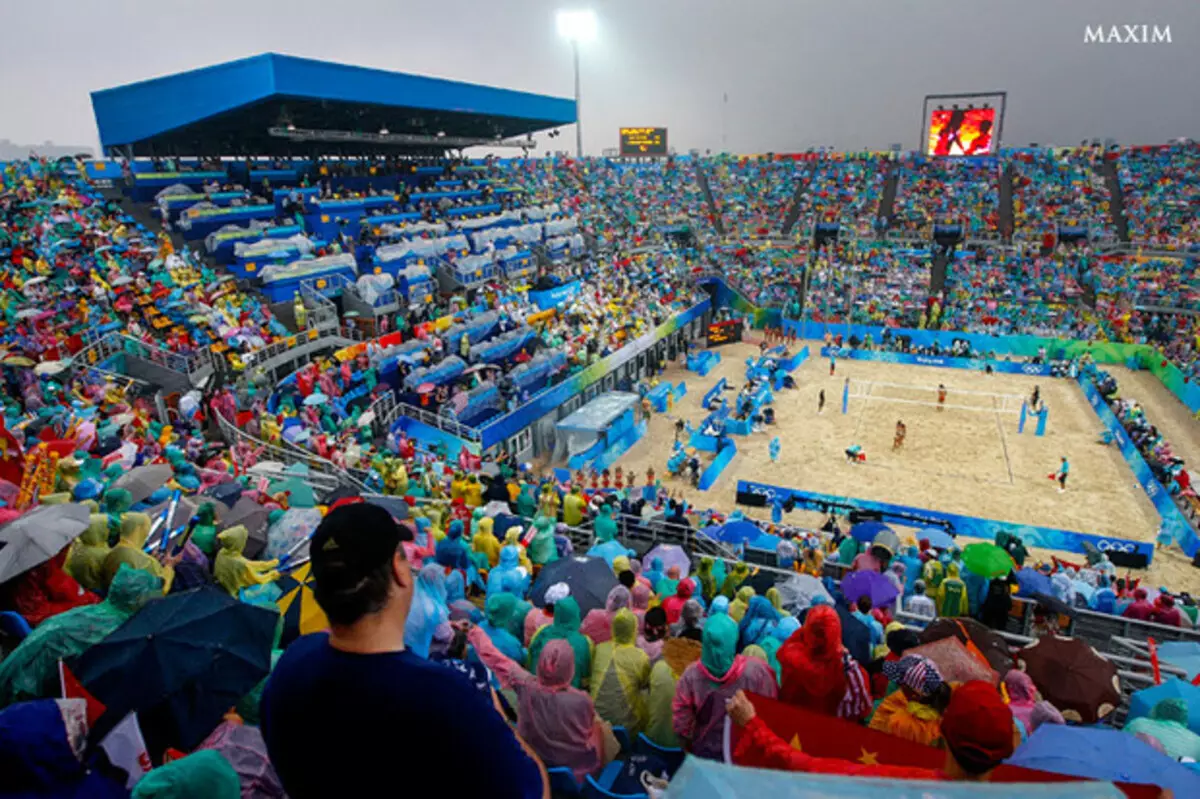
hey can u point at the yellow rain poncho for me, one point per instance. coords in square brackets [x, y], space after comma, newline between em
[485, 541]
[574, 506]
[85, 561]
[677, 655]
[621, 676]
[513, 538]
[737, 608]
[135, 528]
[233, 570]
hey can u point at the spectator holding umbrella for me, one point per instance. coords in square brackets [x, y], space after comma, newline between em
[325, 699]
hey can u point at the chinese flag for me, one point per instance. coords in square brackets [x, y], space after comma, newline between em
[825, 736]
[72, 688]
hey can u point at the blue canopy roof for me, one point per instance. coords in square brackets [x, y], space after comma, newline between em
[227, 108]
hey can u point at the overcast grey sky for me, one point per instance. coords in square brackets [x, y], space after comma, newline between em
[798, 73]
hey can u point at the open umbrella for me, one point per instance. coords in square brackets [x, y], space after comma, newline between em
[737, 532]
[142, 481]
[1183, 654]
[797, 593]
[243, 746]
[301, 613]
[1031, 581]
[227, 494]
[37, 536]
[865, 532]
[1072, 676]
[590, 579]
[17, 361]
[610, 551]
[315, 398]
[1143, 701]
[986, 560]
[426, 388]
[1053, 604]
[366, 418]
[970, 632]
[180, 662]
[937, 537]
[254, 518]
[1103, 754]
[50, 367]
[955, 661]
[869, 583]
[671, 555]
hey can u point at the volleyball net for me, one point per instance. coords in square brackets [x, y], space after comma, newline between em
[957, 399]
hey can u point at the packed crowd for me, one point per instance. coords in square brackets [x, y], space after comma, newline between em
[753, 194]
[1055, 190]
[948, 191]
[846, 191]
[870, 284]
[1160, 194]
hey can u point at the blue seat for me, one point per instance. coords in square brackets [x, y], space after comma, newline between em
[562, 781]
[594, 788]
[622, 736]
[672, 756]
[14, 624]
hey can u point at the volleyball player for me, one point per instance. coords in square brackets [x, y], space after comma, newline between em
[941, 396]
[901, 432]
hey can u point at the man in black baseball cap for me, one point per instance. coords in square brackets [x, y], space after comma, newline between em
[344, 712]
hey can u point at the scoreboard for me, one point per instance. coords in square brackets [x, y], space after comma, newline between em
[643, 141]
[724, 332]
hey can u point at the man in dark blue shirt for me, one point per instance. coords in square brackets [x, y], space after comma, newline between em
[352, 713]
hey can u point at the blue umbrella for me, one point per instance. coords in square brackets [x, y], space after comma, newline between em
[869, 583]
[609, 550]
[937, 538]
[866, 531]
[738, 532]
[1103, 754]
[590, 580]
[1184, 654]
[1143, 701]
[1031, 581]
[180, 662]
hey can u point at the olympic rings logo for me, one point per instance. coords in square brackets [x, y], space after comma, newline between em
[1031, 369]
[1116, 546]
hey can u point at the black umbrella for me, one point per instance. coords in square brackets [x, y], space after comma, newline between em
[226, 493]
[180, 662]
[590, 579]
[393, 505]
[254, 517]
[1054, 605]
[855, 635]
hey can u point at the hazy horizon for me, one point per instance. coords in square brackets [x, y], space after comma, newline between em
[849, 74]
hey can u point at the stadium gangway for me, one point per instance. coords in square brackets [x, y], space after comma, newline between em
[322, 313]
[385, 304]
[443, 423]
[285, 355]
[1101, 630]
[99, 347]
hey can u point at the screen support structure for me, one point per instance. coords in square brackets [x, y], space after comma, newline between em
[997, 100]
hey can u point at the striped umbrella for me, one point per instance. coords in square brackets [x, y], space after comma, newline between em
[298, 605]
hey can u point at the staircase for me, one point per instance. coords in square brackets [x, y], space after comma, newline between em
[1116, 203]
[793, 214]
[887, 203]
[938, 271]
[702, 180]
[1007, 219]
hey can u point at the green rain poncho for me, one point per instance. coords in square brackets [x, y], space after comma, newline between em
[31, 671]
[203, 775]
[737, 608]
[847, 551]
[565, 626]
[135, 529]
[621, 675]
[233, 570]
[205, 533]
[605, 527]
[1167, 724]
[542, 549]
[735, 578]
[708, 584]
[85, 561]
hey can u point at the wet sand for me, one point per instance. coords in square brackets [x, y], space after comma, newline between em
[956, 460]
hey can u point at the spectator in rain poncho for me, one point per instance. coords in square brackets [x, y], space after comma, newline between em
[1167, 724]
[699, 706]
[85, 561]
[691, 621]
[233, 570]
[135, 528]
[719, 606]
[542, 549]
[597, 625]
[920, 605]
[655, 572]
[673, 603]
[708, 585]
[31, 670]
[558, 721]
[201, 775]
[666, 586]
[456, 598]
[655, 633]
[734, 579]
[46, 590]
[770, 645]
[429, 609]
[605, 527]
[818, 673]
[1105, 599]
[42, 744]
[1022, 698]
[507, 576]
[621, 675]
[451, 551]
[952, 594]
[738, 607]
[565, 627]
[776, 600]
[640, 602]
[757, 623]
[486, 544]
[914, 710]
[498, 612]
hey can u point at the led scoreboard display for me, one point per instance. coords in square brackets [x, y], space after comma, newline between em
[643, 141]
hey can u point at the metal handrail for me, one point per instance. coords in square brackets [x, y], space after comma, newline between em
[433, 420]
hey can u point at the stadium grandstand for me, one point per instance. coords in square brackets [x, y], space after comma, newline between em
[330, 452]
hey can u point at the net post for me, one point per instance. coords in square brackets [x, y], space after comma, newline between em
[1043, 414]
[845, 396]
[1021, 421]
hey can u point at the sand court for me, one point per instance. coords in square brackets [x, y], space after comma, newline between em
[967, 458]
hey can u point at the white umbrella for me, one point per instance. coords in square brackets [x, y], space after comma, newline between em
[28, 313]
[797, 593]
[50, 367]
[123, 280]
[33, 281]
[366, 418]
[315, 398]
[38, 536]
[142, 481]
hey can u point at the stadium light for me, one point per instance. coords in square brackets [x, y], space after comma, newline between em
[577, 26]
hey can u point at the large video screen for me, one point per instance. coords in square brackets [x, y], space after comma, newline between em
[643, 141]
[961, 131]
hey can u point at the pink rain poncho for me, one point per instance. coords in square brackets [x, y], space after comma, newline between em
[559, 722]
[1022, 697]
[597, 625]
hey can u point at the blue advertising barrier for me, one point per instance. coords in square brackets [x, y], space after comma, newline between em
[712, 393]
[718, 465]
[971, 526]
[703, 362]
[551, 398]
[1173, 523]
[552, 298]
[944, 361]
